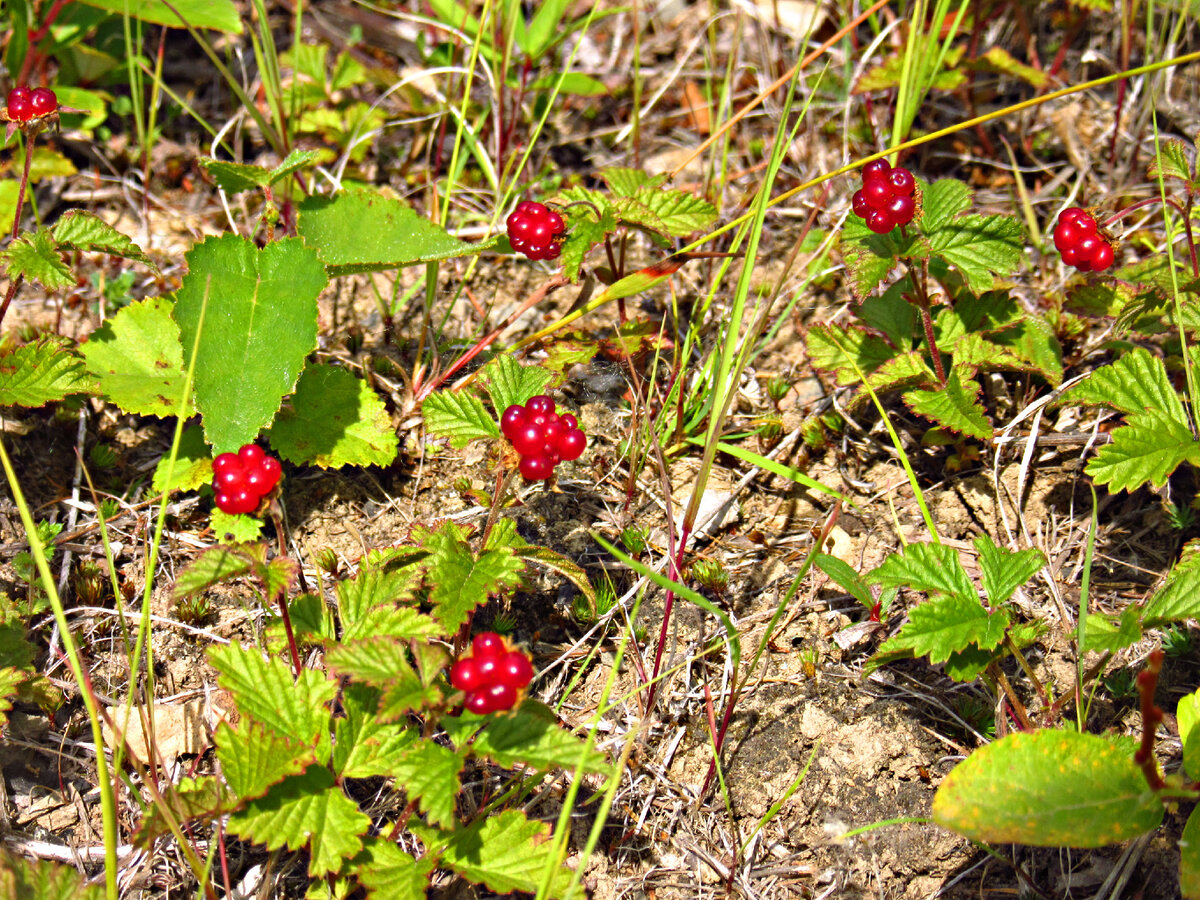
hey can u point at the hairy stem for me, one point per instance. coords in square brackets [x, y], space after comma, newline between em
[1147, 681]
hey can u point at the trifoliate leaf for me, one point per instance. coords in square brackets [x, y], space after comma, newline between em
[334, 420]
[531, 735]
[458, 416]
[461, 581]
[1049, 789]
[849, 353]
[41, 372]
[1004, 570]
[1134, 383]
[955, 406]
[1146, 450]
[305, 810]
[137, 360]
[80, 230]
[507, 382]
[932, 568]
[372, 589]
[35, 257]
[259, 312]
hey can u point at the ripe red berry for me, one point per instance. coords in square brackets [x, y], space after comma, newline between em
[516, 669]
[532, 230]
[540, 405]
[464, 675]
[1102, 257]
[225, 461]
[901, 208]
[528, 439]
[511, 420]
[571, 445]
[479, 703]
[536, 468]
[901, 181]
[242, 479]
[877, 191]
[879, 221]
[42, 102]
[876, 167]
[569, 421]
[1077, 237]
[18, 104]
[488, 643]
[237, 502]
[251, 454]
[500, 696]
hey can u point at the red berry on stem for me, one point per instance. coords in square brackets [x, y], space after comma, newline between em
[1077, 216]
[225, 461]
[500, 696]
[540, 405]
[569, 420]
[528, 439]
[536, 468]
[876, 167]
[1102, 257]
[231, 478]
[571, 445]
[464, 675]
[901, 208]
[251, 454]
[880, 221]
[511, 420]
[901, 181]
[877, 192]
[516, 669]
[859, 204]
[42, 102]
[270, 470]
[479, 703]
[18, 104]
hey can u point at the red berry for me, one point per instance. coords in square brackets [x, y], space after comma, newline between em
[1071, 256]
[1067, 234]
[18, 104]
[879, 221]
[536, 468]
[901, 181]
[516, 669]
[511, 420]
[553, 431]
[532, 229]
[251, 454]
[540, 405]
[500, 696]
[464, 675]
[528, 440]
[569, 421]
[42, 102]
[270, 470]
[1102, 256]
[231, 478]
[571, 445]
[901, 208]
[479, 703]
[877, 191]
[225, 461]
[488, 643]
[236, 502]
[1079, 217]
[859, 204]
[876, 167]
[487, 666]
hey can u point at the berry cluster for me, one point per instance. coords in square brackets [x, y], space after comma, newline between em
[541, 436]
[242, 479]
[886, 198]
[1079, 241]
[24, 104]
[493, 676]
[532, 229]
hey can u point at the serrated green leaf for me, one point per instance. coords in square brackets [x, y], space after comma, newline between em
[1098, 298]
[516, 855]
[266, 690]
[1033, 342]
[941, 203]
[903, 371]
[947, 625]
[235, 529]
[1049, 789]
[1189, 857]
[980, 247]
[192, 468]
[187, 801]
[429, 774]
[1178, 599]
[372, 231]
[305, 810]
[254, 757]
[507, 381]
[377, 661]
[679, 212]
[81, 230]
[1188, 715]
[219, 15]
[974, 351]
[955, 406]
[1101, 634]
[870, 257]
[1146, 450]
[847, 352]
[1003, 570]
[29, 879]
[388, 873]
[583, 234]
[39, 373]
[890, 313]
[845, 577]
[461, 581]
[259, 310]
[932, 568]
[137, 360]
[232, 177]
[214, 566]
[628, 181]
[334, 420]
[364, 746]
[1173, 160]
[34, 256]
[458, 416]
[312, 624]
[363, 614]
[531, 735]
[1136, 382]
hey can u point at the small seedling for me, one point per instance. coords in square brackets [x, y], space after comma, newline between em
[710, 574]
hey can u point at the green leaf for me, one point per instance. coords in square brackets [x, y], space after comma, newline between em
[997, 59]
[890, 73]
[1173, 160]
[39, 373]
[459, 416]
[1098, 298]
[80, 230]
[266, 690]
[1004, 570]
[505, 852]
[871, 257]
[531, 735]
[29, 879]
[361, 599]
[235, 529]
[377, 661]
[1049, 789]
[947, 625]
[627, 181]
[214, 566]
[1101, 634]
[461, 581]
[35, 257]
[849, 353]
[1178, 599]
[1148, 449]
[1033, 342]
[371, 231]
[941, 202]
[890, 313]
[219, 15]
[980, 247]
[904, 371]
[259, 310]
[932, 568]
[429, 774]
[507, 381]
[189, 800]
[193, 465]
[575, 83]
[137, 360]
[954, 406]
[1189, 857]
[364, 746]
[1134, 383]
[1188, 715]
[334, 420]
[302, 810]
[388, 873]
[233, 178]
[676, 212]
[845, 577]
[254, 757]
[10, 679]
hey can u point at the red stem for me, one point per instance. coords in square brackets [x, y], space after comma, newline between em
[1151, 717]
